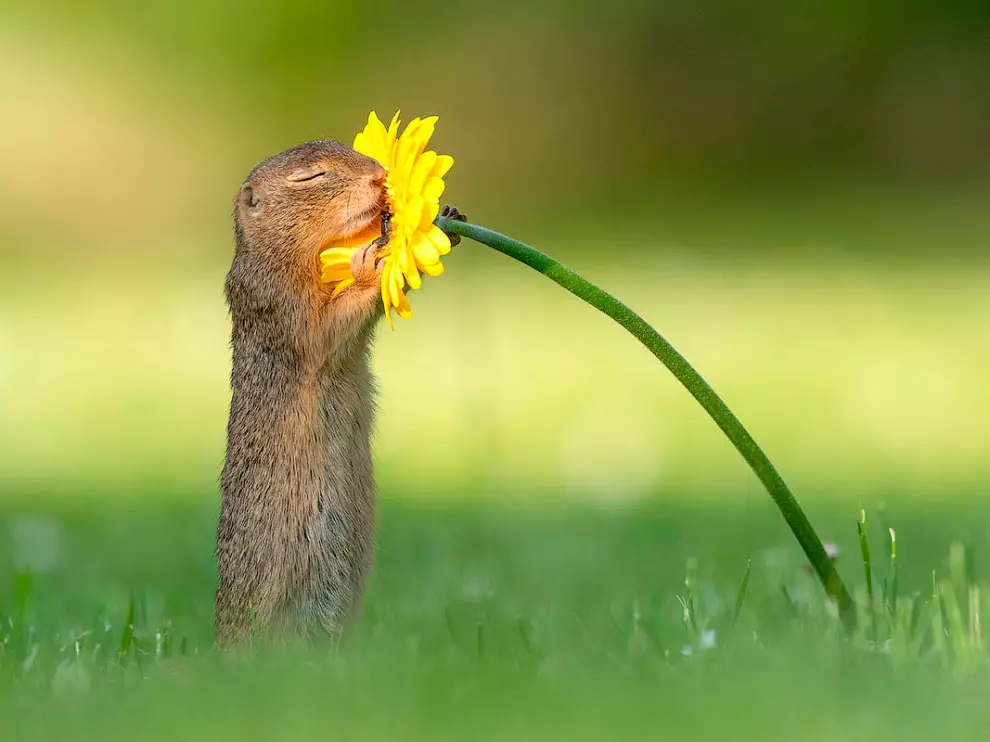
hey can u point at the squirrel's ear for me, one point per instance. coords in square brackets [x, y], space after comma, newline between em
[249, 198]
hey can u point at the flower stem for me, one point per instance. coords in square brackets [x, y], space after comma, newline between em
[695, 384]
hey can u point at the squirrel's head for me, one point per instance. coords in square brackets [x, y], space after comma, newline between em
[294, 201]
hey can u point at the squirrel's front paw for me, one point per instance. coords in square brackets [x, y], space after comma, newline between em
[366, 264]
[452, 212]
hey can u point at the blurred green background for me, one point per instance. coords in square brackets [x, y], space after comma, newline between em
[794, 195]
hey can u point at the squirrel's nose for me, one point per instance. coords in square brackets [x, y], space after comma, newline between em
[377, 174]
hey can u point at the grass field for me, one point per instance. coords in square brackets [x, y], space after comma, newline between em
[522, 622]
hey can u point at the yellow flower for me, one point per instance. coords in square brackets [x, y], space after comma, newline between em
[413, 186]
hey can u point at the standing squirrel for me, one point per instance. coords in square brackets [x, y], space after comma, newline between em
[295, 537]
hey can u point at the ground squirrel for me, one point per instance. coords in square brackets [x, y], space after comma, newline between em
[296, 527]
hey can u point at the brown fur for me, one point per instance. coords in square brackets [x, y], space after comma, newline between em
[296, 528]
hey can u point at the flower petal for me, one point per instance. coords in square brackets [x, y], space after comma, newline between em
[423, 134]
[442, 166]
[397, 282]
[360, 143]
[421, 171]
[404, 157]
[433, 269]
[386, 287]
[341, 286]
[370, 140]
[336, 256]
[424, 250]
[433, 189]
[429, 216]
[359, 239]
[439, 239]
[408, 267]
[334, 273]
[402, 308]
[393, 129]
[414, 211]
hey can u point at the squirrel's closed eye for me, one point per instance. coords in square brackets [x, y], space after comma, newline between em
[310, 173]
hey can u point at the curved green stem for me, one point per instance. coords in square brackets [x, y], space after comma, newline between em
[694, 383]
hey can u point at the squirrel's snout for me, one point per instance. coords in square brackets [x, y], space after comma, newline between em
[377, 175]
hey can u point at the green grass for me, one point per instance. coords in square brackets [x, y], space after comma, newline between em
[496, 621]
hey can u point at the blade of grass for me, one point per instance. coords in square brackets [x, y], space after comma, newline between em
[690, 580]
[127, 637]
[894, 576]
[975, 629]
[955, 625]
[741, 595]
[917, 606]
[938, 628]
[864, 547]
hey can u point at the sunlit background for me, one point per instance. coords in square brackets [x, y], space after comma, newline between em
[795, 198]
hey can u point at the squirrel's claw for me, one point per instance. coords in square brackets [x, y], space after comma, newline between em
[452, 212]
[365, 263]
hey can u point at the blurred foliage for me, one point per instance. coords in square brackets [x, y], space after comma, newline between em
[856, 378]
[793, 193]
[591, 104]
